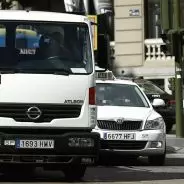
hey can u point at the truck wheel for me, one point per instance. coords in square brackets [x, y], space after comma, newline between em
[157, 160]
[74, 173]
[17, 171]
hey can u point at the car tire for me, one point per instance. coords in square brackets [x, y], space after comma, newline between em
[157, 160]
[74, 173]
[169, 127]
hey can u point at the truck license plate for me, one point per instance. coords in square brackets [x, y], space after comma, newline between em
[119, 136]
[35, 144]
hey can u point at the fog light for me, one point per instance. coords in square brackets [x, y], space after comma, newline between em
[156, 144]
[80, 142]
[87, 160]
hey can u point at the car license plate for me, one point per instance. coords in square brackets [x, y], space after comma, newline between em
[119, 136]
[35, 144]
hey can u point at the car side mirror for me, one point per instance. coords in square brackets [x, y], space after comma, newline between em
[157, 102]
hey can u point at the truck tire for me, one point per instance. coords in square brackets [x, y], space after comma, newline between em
[17, 171]
[74, 173]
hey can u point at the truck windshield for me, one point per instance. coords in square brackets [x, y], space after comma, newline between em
[120, 95]
[45, 47]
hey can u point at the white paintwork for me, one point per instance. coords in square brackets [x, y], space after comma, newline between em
[41, 16]
[42, 88]
[132, 113]
[48, 88]
[158, 102]
[118, 112]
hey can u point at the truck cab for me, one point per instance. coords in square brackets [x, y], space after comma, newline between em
[47, 92]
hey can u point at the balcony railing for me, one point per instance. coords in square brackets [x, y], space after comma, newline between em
[153, 50]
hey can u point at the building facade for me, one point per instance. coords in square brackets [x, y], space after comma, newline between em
[137, 36]
[138, 43]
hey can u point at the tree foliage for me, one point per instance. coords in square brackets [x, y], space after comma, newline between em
[6, 4]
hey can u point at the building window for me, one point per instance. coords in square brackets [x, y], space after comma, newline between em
[152, 19]
[152, 10]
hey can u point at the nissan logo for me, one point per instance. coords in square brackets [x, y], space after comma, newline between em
[34, 113]
[120, 121]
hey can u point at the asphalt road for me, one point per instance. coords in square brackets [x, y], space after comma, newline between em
[115, 171]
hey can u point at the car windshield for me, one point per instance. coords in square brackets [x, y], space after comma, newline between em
[41, 47]
[120, 95]
[150, 88]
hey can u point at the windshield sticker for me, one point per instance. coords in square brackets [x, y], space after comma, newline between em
[101, 88]
[74, 101]
[27, 51]
[78, 70]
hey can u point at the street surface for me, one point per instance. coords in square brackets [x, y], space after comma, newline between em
[117, 171]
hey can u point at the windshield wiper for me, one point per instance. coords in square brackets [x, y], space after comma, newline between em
[61, 71]
[9, 70]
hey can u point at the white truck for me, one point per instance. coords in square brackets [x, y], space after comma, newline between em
[47, 92]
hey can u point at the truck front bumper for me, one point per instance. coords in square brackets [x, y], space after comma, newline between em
[63, 152]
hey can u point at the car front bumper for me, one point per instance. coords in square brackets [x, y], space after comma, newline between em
[146, 143]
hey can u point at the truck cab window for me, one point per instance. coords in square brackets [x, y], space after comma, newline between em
[43, 46]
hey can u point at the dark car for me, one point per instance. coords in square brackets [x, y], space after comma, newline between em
[153, 91]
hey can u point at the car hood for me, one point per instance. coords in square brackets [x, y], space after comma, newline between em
[111, 112]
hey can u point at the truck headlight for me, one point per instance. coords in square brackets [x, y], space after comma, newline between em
[81, 142]
[155, 124]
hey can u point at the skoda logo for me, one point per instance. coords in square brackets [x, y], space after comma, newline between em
[34, 113]
[120, 121]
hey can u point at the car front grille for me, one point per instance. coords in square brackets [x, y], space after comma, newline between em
[113, 125]
[18, 112]
[123, 145]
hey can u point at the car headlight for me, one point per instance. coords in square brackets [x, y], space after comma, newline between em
[155, 124]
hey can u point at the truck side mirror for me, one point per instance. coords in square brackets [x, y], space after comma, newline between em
[103, 52]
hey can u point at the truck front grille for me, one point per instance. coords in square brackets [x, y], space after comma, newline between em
[47, 112]
[37, 159]
[113, 125]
